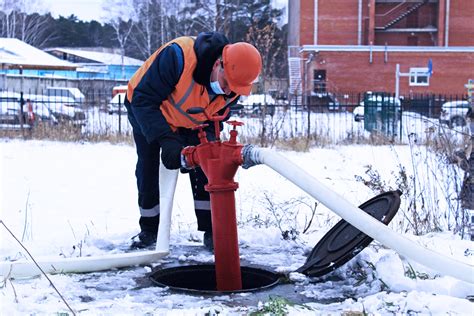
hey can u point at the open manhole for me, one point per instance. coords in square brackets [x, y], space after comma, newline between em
[338, 246]
[202, 279]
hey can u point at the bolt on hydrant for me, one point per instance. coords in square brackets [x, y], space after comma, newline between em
[219, 162]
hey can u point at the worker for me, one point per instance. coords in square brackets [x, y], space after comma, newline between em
[188, 72]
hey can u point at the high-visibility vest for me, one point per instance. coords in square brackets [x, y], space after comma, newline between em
[187, 93]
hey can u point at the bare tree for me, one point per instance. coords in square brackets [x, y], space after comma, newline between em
[223, 16]
[15, 22]
[147, 26]
[264, 40]
[35, 29]
[121, 19]
[199, 17]
[8, 7]
[186, 18]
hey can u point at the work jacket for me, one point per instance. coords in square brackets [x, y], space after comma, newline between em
[176, 67]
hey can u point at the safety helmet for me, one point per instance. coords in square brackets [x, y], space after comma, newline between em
[242, 65]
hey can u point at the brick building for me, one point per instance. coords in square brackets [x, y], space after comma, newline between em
[353, 46]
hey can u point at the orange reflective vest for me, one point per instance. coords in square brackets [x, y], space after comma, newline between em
[187, 93]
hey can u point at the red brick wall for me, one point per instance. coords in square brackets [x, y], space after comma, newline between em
[461, 23]
[352, 72]
[307, 22]
[338, 20]
[338, 23]
[397, 39]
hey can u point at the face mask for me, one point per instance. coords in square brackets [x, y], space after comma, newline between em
[216, 87]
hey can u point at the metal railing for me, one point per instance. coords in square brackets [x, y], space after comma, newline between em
[326, 117]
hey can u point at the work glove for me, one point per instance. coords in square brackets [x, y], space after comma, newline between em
[171, 147]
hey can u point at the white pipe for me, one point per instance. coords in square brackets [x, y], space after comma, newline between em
[358, 218]
[316, 22]
[359, 23]
[54, 265]
[397, 81]
[168, 179]
[446, 24]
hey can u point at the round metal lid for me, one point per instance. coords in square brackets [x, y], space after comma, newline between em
[343, 242]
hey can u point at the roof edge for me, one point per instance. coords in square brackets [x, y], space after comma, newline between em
[380, 48]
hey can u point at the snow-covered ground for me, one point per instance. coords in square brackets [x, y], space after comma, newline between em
[73, 199]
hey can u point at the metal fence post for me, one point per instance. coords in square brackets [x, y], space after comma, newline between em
[120, 115]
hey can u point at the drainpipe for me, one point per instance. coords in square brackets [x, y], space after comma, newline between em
[371, 22]
[441, 21]
[446, 28]
[307, 91]
[359, 24]
[315, 39]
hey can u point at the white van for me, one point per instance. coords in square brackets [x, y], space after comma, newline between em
[61, 92]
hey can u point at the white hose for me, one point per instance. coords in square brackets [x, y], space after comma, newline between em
[54, 265]
[357, 217]
[168, 179]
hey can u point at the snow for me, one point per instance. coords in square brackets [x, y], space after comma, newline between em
[14, 51]
[101, 57]
[79, 199]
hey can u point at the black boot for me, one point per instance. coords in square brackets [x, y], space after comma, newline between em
[208, 241]
[147, 236]
[145, 239]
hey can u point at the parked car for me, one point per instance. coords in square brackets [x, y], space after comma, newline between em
[116, 104]
[42, 113]
[9, 111]
[252, 104]
[455, 113]
[54, 109]
[358, 113]
[376, 99]
[68, 113]
[33, 112]
[65, 109]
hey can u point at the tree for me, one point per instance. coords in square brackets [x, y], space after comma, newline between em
[198, 16]
[264, 35]
[36, 29]
[147, 33]
[122, 27]
[15, 22]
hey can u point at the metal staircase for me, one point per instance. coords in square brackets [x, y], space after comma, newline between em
[400, 15]
[295, 85]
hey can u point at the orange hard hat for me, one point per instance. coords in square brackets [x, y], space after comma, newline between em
[242, 65]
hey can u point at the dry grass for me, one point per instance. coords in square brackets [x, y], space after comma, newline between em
[64, 132]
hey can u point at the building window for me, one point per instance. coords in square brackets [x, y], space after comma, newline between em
[419, 77]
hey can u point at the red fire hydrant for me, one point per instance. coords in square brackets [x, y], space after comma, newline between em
[220, 161]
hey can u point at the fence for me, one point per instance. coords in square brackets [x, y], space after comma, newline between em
[323, 119]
